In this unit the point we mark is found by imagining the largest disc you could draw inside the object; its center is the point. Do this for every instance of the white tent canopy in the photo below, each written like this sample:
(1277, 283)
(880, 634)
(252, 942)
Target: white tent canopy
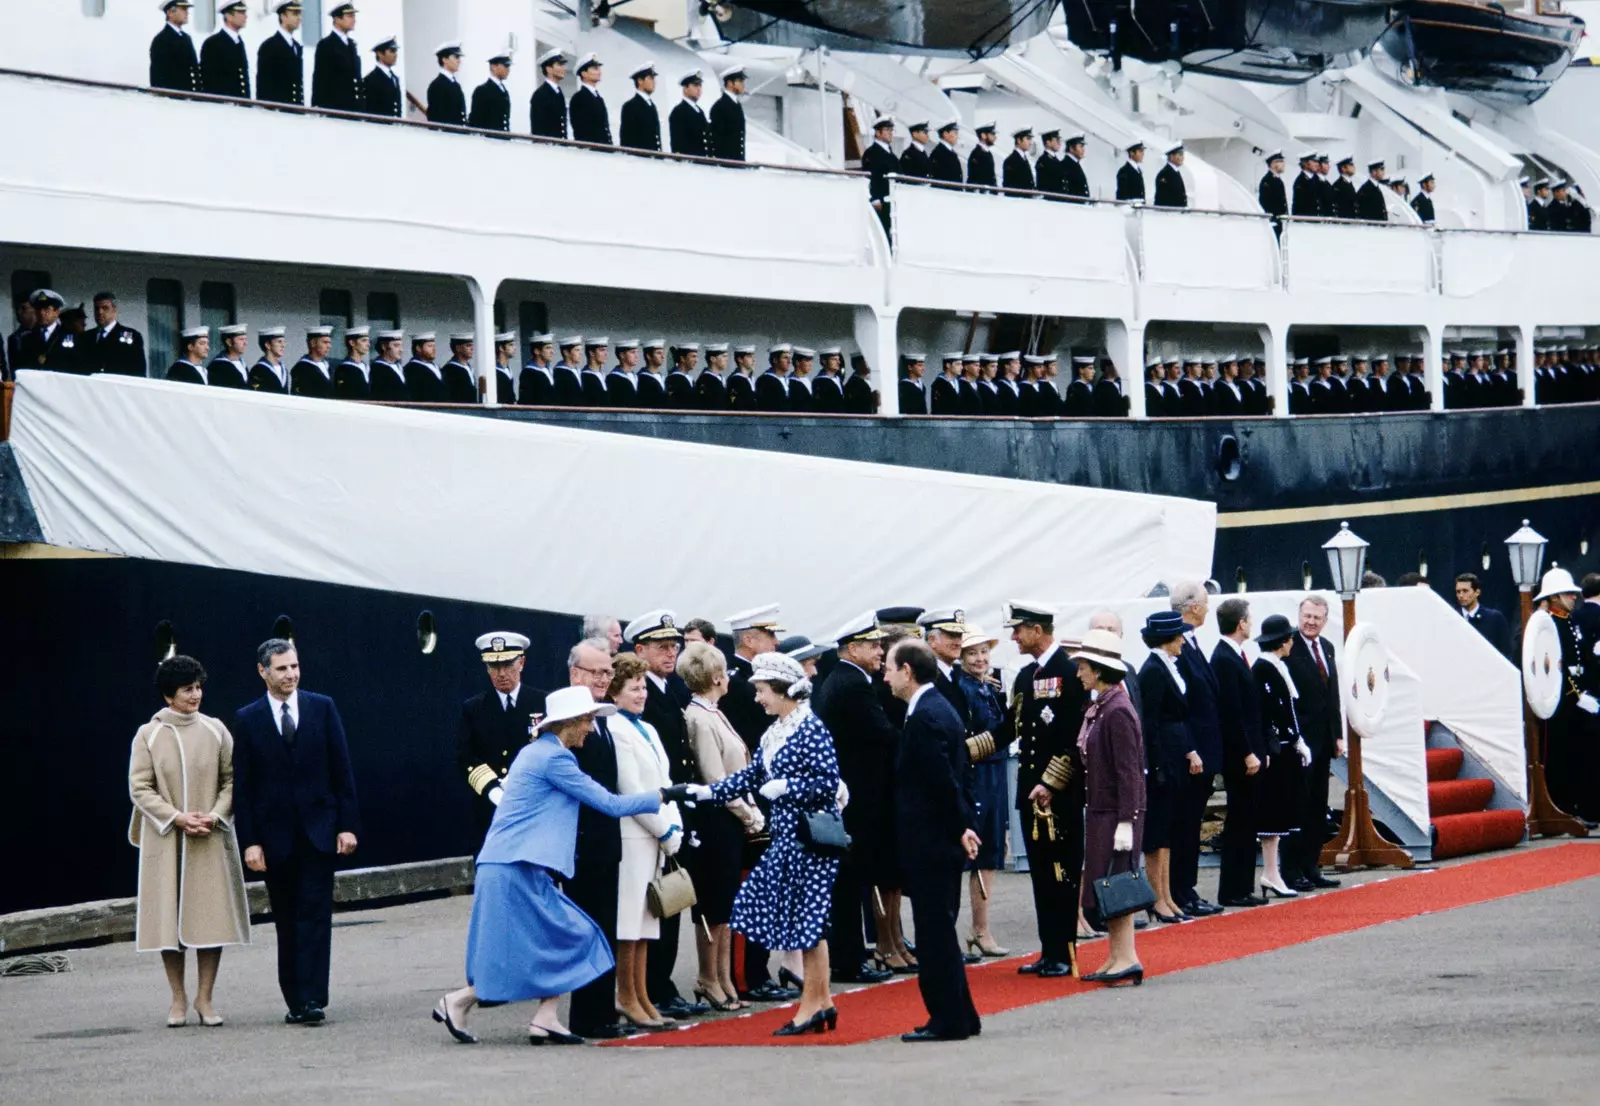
(549, 518)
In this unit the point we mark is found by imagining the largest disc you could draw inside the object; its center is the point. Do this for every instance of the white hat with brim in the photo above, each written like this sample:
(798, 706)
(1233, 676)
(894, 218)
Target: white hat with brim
(567, 703)
(1558, 581)
(1101, 647)
(975, 637)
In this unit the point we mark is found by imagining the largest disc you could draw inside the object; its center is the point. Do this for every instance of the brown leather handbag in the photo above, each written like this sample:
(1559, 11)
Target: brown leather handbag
(670, 892)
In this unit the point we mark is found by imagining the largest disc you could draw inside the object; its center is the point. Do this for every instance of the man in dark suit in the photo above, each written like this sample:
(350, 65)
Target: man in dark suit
(173, 63)
(1370, 202)
(914, 158)
(494, 724)
(491, 103)
(447, 100)
(1306, 198)
(280, 65)
(932, 808)
(1487, 621)
(1422, 204)
(547, 108)
(879, 161)
(980, 161)
(1344, 190)
(727, 117)
(336, 75)
(352, 378)
(1243, 753)
(1316, 677)
(384, 94)
(1170, 189)
(1017, 172)
(640, 128)
(860, 398)
(49, 345)
(591, 122)
(294, 806)
(688, 127)
(1193, 602)
(944, 163)
(111, 347)
(1130, 186)
(1049, 174)
(224, 63)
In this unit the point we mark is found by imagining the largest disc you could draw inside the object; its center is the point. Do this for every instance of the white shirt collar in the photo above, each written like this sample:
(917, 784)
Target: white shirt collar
(231, 33)
(944, 669)
(553, 84)
(659, 681)
(1172, 666)
(512, 694)
(1238, 646)
(293, 702)
(916, 697)
(287, 37)
(1044, 658)
(385, 68)
(646, 97)
(498, 83)
(344, 38)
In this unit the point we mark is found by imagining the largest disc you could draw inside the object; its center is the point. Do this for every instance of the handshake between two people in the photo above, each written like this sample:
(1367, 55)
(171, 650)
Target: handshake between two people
(691, 793)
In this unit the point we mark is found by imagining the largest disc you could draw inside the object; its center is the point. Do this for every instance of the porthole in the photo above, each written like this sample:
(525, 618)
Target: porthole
(427, 634)
(166, 641)
(1229, 463)
(1240, 585)
(1305, 575)
(1422, 563)
(1485, 557)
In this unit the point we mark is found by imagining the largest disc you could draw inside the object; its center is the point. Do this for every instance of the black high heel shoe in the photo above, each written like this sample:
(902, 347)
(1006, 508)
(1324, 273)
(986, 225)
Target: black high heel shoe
(831, 1015)
(1167, 919)
(816, 1023)
(1135, 975)
(441, 1014)
(552, 1037)
(720, 1007)
(789, 979)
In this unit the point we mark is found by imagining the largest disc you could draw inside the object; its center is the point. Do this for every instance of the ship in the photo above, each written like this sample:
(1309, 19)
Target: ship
(1507, 52)
(199, 209)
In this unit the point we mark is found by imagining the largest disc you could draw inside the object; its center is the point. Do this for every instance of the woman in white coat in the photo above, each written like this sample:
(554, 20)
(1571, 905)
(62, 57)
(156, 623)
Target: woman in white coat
(646, 838)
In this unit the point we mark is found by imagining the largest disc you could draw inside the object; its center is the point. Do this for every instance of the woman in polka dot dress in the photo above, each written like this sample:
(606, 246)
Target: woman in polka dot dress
(784, 904)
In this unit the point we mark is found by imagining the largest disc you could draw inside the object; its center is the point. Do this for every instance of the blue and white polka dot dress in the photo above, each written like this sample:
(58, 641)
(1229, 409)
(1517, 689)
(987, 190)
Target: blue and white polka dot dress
(784, 904)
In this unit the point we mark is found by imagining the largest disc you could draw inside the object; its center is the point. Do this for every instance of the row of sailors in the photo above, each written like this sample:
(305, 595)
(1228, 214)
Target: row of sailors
(1360, 385)
(1556, 206)
(1563, 374)
(1012, 384)
(222, 68)
(1193, 388)
(1315, 194)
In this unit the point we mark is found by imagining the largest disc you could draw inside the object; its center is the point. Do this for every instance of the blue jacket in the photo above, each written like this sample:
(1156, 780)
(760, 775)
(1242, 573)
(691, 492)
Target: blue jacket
(278, 791)
(1202, 696)
(537, 820)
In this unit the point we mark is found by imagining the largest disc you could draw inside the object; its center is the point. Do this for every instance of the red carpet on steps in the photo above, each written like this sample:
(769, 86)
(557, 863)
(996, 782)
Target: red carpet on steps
(890, 1009)
(1444, 764)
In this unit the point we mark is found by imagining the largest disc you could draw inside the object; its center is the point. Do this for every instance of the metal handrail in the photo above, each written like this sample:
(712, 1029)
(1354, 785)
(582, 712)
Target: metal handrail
(999, 190)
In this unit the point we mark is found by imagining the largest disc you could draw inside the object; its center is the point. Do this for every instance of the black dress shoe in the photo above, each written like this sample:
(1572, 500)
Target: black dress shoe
(866, 973)
(614, 1032)
(1055, 969)
(972, 958)
(1141, 922)
(918, 1036)
(1243, 900)
(306, 1015)
(294, 1017)
(1033, 967)
(1200, 908)
(1317, 879)
(679, 1009)
(786, 978)
(539, 1035)
(769, 992)
(1301, 883)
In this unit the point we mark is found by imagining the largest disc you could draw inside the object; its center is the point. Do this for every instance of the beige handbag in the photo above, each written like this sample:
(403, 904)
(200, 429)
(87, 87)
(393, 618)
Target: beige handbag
(670, 892)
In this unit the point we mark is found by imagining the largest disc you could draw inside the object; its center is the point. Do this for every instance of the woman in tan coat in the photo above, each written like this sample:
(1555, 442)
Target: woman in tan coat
(191, 883)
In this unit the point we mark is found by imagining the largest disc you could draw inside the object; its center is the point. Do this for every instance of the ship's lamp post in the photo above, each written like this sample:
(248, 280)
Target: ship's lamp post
(1357, 844)
(1545, 819)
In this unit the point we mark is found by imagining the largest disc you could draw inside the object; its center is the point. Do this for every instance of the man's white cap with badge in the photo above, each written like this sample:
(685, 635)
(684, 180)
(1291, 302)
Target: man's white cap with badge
(863, 627)
(500, 646)
(949, 620)
(655, 626)
(1019, 611)
(757, 618)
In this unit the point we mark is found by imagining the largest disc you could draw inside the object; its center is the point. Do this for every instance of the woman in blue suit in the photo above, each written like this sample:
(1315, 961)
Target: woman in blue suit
(527, 940)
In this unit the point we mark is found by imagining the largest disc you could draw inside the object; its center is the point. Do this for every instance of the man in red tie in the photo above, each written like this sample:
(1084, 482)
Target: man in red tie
(1316, 677)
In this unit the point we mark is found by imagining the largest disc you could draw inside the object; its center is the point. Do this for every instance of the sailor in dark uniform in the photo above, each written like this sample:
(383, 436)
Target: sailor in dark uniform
(173, 63)
(860, 397)
(946, 389)
(312, 375)
(709, 393)
(1078, 403)
(1562, 210)
(973, 394)
(687, 123)
(1300, 387)
(491, 101)
(980, 161)
(224, 62)
(190, 368)
(280, 67)
(1049, 176)
(111, 347)
(547, 109)
(1323, 399)
(741, 385)
(270, 374)
(1170, 190)
(505, 384)
(622, 382)
(1344, 190)
(944, 162)
(1270, 193)
(1257, 400)
(536, 387)
(1109, 402)
(1229, 396)
(1344, 400)
(1325, 196)
(1171, 388)
(351, 377)
(651, 380)
(591, 122)
(640, 128)
(680, 381)
(914, 158)
(384, 95)
(1045, 711)
(772, 386)
(913, 397)
(1130, 175)
(827, 391)
(1370, 203)
(1017, 172)
(727, 117)
(227, 369)
(386, 380)
(424, 381)
(495, 723)
(336, 77)
(1008, 388)
(1074, 181)
(460, 377)
(879, 161)
(1030, 398)
(800, 398)
(447, 100)
(593, 378)
(569, 372)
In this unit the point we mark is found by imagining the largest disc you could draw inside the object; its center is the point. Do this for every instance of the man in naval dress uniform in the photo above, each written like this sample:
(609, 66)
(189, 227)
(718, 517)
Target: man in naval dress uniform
(190, 368)
(594, 383)
(622, 383)
(680, 381)
(1370, 202)
(447, 100)
(505, 384)
(1078, 403)
(727, 117)
(1017, 172)
(1306, 199)
(111, 347)
(547, 108)
(688, 126)
(914, 158)
(280, 64)
(800, 397)
(640, 128)
(1130, 175)
(944, 163)
(495, 724)
(860, 398)
(227, 369)
(1109, 402)
(1170, 190)
(269, 374)
(224, 62)
(460, 378)
(568, 374)
(980, 161)
(913, 395)
(1270, 193)
(1074, 181)
(827, 392)
(387, 378)
(1048, 175)
(879, 162)
(946, 391)
(424, 381)
(1422, 204)
(384, 94)
(311, 375)
(491, 102)
(591, 122)
(772, 386)
(710, 392)
(536, 386)
(336, 75)
(173, 63)
(741, 384)
(351, 377)
(652, 379)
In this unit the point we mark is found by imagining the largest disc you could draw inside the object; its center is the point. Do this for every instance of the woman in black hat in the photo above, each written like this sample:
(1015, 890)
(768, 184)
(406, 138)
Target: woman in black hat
(1170, 755)
(1282, 783)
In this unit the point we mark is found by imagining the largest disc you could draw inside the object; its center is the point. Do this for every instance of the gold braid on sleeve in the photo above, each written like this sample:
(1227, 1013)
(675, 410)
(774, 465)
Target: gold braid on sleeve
(481, 777)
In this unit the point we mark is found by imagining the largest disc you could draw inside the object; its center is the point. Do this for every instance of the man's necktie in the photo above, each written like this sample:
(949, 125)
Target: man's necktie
(288, 726)
(1322, 665)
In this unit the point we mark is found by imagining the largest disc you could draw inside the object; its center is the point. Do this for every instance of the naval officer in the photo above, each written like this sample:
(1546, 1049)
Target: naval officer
(1017, 172)
(687, 126)
(495, 724)
(547, 108)
(1130, 176)
(1170, 189)
(447, 101)
(336, 78)
(173, 63)
(491, 102)
(641, 122)
(980, 162)
(224, 62)
(384, 95)
(879, 161)
(280, 64)
(727, 117)
(591, 122)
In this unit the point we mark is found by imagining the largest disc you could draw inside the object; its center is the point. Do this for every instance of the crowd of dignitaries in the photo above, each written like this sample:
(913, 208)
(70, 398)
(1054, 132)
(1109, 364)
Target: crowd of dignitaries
(221, 67)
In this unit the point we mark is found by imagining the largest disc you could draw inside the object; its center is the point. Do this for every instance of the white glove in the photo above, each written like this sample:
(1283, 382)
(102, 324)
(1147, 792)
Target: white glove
(700, 792)
(1304, 750)
(774, 789)
(673, 843)
(1588, 704)
(495, 794)
(1122, 840)
(842, 795)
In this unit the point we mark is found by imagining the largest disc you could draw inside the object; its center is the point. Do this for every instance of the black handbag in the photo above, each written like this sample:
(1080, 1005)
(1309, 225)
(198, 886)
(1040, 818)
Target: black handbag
(1123, 893)
(823, 832)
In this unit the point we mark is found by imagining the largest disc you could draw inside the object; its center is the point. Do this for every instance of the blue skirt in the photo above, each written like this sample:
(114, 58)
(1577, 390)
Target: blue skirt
(992, 791)
(527, 940)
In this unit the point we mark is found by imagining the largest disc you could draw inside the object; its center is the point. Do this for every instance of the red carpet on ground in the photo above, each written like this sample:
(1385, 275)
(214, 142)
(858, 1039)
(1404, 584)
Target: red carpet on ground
(890, 1009)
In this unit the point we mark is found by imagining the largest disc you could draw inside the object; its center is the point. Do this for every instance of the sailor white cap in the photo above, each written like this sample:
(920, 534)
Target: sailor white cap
(1035, 359)
(270, 332)
(1011, 355)
(732, 71)
(694, 76)
(1178, 149)
(744, 349)
(573, 340)
(196, 332)
(757, 618)
(233, 330)
(319, 332)
(501, 58)
(358, 331)
(591, 58)
(883, 121)
(691, 347)
(647, 68)
(653, 343)
(390, 335)
(781, 347)
(1018, 611)
(460, 338)
(551, 55)
(544, 338)
(916, 355)
(655, 626)
(805, 352)
(954, 355)
(505, 336)
(445, 49)
(625, 343)
(387, 42)
(1152, 362)
(714, 347)
(950, 125)
(597, 341)
(500, 646)
(1083, 360)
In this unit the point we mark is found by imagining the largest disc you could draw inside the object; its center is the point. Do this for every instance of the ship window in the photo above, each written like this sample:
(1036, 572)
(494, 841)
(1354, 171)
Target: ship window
(383, 310)
(334, 307)
(283, 626)
(1422, 563)
(532, 318)
(427, 634)
(164, 306)
(1486, 556)
(166, 640)
(1239, 581)
(1305, 575)
(217, 306)
(94, 9)
(1228, 461)
(24, 282)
